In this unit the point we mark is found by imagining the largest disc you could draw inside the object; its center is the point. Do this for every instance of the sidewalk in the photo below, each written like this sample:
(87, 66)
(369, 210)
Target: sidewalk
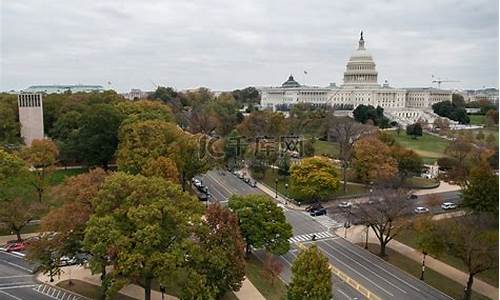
(247, 292)
(83, 274)
(442, 188)
(357, 234)
(281, 199)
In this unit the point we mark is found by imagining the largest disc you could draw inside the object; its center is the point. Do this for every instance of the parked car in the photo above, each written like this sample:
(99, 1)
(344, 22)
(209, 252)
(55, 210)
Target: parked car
(421, 210)
(344, 204)
(203, 197)
(240, 176)
(253, 183)
(67, 261)
(318, 212)
(412, 196)
(314, 206)
(19, 246)
(247, 180)
(449, 205)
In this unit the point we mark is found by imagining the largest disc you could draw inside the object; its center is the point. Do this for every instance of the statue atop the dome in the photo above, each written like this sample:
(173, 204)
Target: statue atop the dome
(361, 35)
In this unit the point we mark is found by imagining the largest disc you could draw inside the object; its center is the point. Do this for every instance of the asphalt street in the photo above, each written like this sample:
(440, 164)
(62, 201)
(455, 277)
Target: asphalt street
(373, 273)
(17, 282)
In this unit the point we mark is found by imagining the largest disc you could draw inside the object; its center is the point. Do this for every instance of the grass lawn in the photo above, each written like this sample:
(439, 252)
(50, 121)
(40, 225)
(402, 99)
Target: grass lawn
(271, 175)
(59, 175)
(440, 282)
(276, 291)
(477, 119)
(429, 147)
(326, 148)
(421, 183)
(86, 289)
(409, 237)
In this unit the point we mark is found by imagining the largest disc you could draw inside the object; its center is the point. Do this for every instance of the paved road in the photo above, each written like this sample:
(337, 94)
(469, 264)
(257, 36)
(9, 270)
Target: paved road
(17, 282)
(381, 278)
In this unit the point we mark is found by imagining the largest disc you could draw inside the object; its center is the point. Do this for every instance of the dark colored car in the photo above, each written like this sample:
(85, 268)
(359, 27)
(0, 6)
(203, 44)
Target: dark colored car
(314, 206)
(203, 197)
(253, 183)
(412, 197)
(318, 212)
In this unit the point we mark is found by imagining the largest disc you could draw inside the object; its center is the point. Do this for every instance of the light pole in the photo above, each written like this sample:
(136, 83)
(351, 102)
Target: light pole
(366, 239)
(423, 265)
(286, 193)
(347, 222)
(276, 182)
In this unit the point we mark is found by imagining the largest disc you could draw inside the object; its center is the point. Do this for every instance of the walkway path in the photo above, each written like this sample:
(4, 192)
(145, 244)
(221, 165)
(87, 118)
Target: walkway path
(357, 234)
(83, 274)
(248, 291)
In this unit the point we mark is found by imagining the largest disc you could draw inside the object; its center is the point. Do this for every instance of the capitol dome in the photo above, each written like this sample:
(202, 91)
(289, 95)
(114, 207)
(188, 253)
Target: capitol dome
(360, 69)
(290, 83)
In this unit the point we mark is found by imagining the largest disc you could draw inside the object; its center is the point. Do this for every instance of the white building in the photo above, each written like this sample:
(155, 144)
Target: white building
(60, 89)
(136, 94)
(360, 86)
(30, 116)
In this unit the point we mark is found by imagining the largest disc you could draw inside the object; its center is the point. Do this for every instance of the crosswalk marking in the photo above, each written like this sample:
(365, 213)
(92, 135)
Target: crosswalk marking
(308, 237)
(56, 293)
(326, 221)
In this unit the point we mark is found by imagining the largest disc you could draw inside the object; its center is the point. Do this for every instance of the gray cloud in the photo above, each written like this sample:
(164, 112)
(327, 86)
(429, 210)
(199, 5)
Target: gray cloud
(225, 44)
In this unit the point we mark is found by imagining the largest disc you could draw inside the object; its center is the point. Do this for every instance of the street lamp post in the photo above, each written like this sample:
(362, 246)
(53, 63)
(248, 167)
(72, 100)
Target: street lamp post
(366, 239)
(276, 182)
(347, 222)
(286, 192)
(423, 265)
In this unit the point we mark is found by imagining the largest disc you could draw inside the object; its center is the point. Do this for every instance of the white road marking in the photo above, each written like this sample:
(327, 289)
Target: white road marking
(308, 237)
(355, 271)
(17, 287)
(10, 295)
(15, 265)
(14, 276)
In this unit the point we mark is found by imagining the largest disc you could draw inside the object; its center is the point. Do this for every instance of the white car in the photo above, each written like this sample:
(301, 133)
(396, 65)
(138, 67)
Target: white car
(344, 204)
(449, 205)
(421, 210)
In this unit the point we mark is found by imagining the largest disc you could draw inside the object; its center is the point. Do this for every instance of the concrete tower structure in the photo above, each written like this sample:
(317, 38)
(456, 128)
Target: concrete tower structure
(30, 116)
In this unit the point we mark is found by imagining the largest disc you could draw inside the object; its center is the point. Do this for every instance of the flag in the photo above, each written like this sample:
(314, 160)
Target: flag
(305, 72)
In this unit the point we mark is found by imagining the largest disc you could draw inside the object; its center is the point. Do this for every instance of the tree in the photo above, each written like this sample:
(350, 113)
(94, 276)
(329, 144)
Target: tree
(42, 156)
(346, 132)
(163, 167)
(98, 135)
(272, 268)
(249, 95)
(142, 226)
(314, 177)
(363, 113)
(144, 110)
(220, 238)
(409, 162)
(10, 128)
(311, 276)
(142, 140)
(225, 109)
(481, 190)
(459, 150)
(452, 111)
(372, 161)
(263, 124)
(492, 116)
(262, 223)
(414, 130)
(15, 214)
(165, 94)
(45, 253)
(427, 240)
(386, 216)
(10, 165)
(473, 240)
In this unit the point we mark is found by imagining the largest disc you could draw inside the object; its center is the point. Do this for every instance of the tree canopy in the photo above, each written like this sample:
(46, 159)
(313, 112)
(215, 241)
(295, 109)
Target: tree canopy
(314, 178)
(452, 111)
(262, 223)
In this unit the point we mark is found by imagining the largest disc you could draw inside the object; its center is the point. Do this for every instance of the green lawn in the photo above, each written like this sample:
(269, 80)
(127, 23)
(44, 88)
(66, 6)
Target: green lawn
(409, 237)
(429, 147)
(87, 290)
(440, 282)
(477, 119)
(325, 148)
(421, 183)
(271, 175)
(270, 291)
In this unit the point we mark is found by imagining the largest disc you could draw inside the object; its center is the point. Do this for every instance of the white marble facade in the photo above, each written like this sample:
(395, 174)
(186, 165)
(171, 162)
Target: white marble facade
(360, 87)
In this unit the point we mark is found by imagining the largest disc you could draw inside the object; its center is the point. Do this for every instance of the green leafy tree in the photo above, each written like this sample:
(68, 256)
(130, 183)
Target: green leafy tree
(145, 110)
(414, 130)
(454, 111)
(481, 190)
(98, 135)
(142, 226)
(165, 94)
(10, 128)
(314, 177)
(311, 276)
(42, 156)
(409, 162)
(427, 239)
(262, 223)
(10, 165)
(364, 113)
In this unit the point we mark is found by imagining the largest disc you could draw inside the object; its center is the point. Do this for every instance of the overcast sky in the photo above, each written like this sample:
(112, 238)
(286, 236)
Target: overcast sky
(228, 44)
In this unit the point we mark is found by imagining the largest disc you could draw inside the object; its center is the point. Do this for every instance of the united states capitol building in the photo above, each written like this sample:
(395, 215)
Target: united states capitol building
(403, 105)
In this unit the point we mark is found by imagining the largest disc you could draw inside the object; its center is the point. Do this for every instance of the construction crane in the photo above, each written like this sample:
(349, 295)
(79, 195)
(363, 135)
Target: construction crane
(439, 81)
